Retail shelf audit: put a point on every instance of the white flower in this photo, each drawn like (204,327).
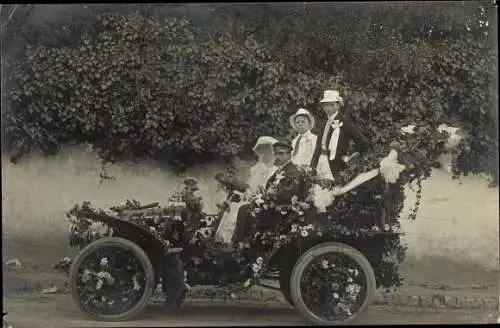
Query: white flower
(322,198)
(356,272)
(99,284)
(304,233)
(408,129)
(247,283)
(375,228)
(336,295)
(259,260)
(137,286)
(256,267)
(104,261)
(282,237)
(387,227)
(86,275)
(152,228)
(353,290)
(324,264)
(294,228)
(209,221)
(390,169)
(349,279)
(310,227)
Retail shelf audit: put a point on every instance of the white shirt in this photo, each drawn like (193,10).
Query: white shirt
(306,148)
(323,169)
(325,135)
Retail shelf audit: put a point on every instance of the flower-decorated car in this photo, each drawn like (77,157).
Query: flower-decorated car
(329,253)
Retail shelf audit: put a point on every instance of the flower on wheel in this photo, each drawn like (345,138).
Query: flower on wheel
(104,262)
(135,281)
(324,264)
(256,268)
(86,275)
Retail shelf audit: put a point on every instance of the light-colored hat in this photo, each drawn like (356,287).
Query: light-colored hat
(331,96)
(301,111)
(264,140)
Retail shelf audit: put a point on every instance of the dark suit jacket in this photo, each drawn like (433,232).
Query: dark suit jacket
(293,183)
(348,132)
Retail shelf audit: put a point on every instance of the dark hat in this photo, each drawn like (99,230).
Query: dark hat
(281,144)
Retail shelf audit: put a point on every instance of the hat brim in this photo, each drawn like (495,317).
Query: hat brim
(264,142)
(340,99)
(309,115)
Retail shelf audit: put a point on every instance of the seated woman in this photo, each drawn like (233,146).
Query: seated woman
(259,174)
(265,167)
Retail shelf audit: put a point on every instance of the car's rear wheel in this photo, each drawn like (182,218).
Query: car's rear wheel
(112,279)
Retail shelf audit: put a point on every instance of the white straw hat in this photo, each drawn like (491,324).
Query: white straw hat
(264,140)
(301,111)
(331,96)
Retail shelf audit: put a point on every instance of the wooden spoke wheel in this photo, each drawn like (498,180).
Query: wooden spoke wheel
(332,284)
(112,279)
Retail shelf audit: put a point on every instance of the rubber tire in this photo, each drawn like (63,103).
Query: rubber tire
(284,281)
(318,250)
(145,262)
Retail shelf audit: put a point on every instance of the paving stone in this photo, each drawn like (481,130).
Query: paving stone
(414,300)
(473,303)
(451,302)
(491,303)
(402,300)
(438,301)
(426,301)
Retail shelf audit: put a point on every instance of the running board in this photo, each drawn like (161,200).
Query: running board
(268,287)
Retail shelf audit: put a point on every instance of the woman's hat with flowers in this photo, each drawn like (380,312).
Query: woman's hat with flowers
(302,112)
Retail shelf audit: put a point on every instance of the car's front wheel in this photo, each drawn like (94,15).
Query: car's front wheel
(112,279)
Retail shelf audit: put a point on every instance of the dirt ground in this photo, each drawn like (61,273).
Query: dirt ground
(58,310)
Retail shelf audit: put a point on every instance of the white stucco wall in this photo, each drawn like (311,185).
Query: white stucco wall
(459,222)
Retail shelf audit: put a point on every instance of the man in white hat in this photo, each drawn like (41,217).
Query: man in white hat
(330,155)
(305,141)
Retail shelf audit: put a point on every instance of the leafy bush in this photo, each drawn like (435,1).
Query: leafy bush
(145,82)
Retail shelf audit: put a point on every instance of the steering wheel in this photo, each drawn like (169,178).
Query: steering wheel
(231,183)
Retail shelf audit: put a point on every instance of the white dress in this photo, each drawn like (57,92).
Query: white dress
(227,225)
(259,174)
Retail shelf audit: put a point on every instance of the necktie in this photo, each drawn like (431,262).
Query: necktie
(297,144)
(325,133)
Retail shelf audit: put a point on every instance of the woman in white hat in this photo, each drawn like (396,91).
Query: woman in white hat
(264,168)
(305,142)
(259,174)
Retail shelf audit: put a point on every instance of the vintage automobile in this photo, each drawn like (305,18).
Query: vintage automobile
(326,274)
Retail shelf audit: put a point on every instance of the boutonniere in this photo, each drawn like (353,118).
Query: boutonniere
(337,124)
(279,176)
